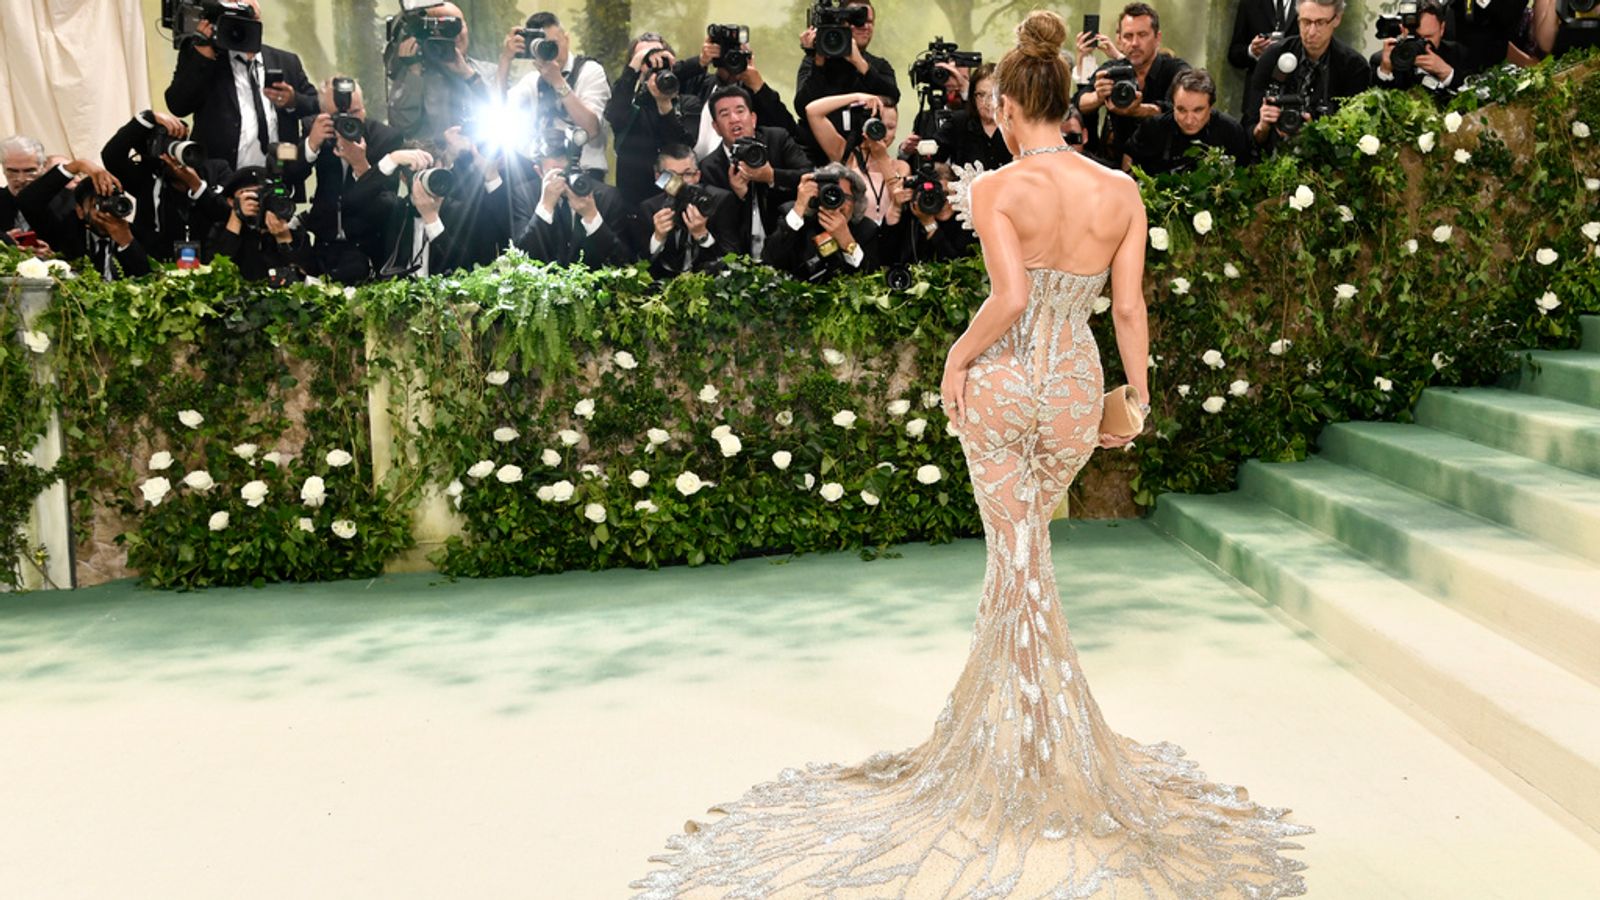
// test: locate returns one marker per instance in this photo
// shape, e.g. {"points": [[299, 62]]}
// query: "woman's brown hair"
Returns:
{"points": [[1034, 74]]}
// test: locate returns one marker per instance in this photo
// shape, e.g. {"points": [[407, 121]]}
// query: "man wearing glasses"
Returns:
{"points": [[1325, 70], [690, 225]]}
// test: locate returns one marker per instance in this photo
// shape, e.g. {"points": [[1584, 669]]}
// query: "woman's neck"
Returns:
{"points": [[1032, 135]]}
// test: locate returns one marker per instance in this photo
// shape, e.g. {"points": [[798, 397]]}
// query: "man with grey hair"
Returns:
{"points": [[824, 232], [23, 158], [1312, 65]]}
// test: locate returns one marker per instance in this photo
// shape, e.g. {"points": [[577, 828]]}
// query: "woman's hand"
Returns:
{"points": [[953, 391], [1111, 441]]}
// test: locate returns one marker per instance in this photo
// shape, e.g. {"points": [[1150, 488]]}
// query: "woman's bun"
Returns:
{"points": [[1041, 35]]}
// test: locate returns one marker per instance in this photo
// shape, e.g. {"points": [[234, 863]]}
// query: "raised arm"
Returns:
{"points": [[1008, 292], [828, 137]]}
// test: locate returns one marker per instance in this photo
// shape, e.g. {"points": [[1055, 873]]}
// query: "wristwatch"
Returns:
{"points": [[562, 90]]}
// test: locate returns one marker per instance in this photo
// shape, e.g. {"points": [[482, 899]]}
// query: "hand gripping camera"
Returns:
{"points": [[537, 46], [234, 26], [1124, 81], [730, 41], [658, 63], [750, 152], [436, 35], [347, 126], [829, 194], [1408, 45], [833, 23]]}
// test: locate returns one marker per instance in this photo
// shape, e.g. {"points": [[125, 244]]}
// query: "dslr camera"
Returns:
{"points": [[829, 194], [750, 152], [535, 45], [659, 64], [1292, 105], [436, 35], [683, 193], [928, 195], [1402, 26], [569, 143], [347, 126], [730, 41], [1124, 81], [833, 23], [119, 206], [926, 71], [187, 153], [234, 26]]}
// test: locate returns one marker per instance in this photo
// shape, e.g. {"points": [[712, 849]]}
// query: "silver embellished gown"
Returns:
{"points": [[1022, 790]]}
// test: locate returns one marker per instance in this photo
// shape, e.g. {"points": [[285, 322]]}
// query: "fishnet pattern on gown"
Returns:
{"points": [[1022, 790]]}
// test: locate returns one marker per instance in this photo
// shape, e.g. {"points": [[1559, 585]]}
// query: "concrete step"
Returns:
{"points": [[1591, 334], [1554, 505], [1562, 374], [1536, 718], [1552, 431], [1544, 599]]}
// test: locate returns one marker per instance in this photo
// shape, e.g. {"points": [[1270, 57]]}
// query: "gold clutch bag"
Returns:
{"points": [[1122, 416]]}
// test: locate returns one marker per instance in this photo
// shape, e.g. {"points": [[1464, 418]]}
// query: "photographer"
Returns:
{"points": [[1303, 77], [1162, 144], [562, 91], [927, 230], [353, 200], [726, 61], [1484, 29], [416, 239], [864, 149], [256, 237], [973, 135], [97, 227], [23, 159], [1420, 55], [244, 98], [1256, 26], [1130, 89], [761, 166], [835, 66], [942, 77], [644, 113], [691, 226], [578, 219], [824, 232], [175, 203], [433, 84]]}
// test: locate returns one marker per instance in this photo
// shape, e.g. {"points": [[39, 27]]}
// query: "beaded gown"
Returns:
{"points": [[1022, 790]]}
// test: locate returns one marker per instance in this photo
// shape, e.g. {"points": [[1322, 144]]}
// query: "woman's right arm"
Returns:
{"points": [[828, 137], [1127, 296]]}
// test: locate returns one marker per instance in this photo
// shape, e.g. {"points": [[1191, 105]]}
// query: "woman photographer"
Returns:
{"points": [[866, 150]]}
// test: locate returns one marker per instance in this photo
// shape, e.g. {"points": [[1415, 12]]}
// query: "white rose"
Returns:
{"points": [[1202, 222], [1383, 384], [595, 513], [638, 478], [454, 488], [1213, 358], [569, 437], [504, 435], [1346, 214], [1462, 156], [274, 457], [1183, 390], [730, 445], [546, 494], [498, 377], [929, 474], [314, 492], [1159, 239], [898, 408], [1580, 130], [305, 524], [254, 493], [721, 431], [832, 491], [1425, 142], [1239, 388], [191, 418], [916, 427], [155, 489], [584, 408], [481, 468], [1443, 233], [1313, 367], [219, 521], [1213, 405], [810, 481], [508, 474], [781, 459], [1591, 184], [832, 357], [589, 471], [1546, 256], [1344, 292], [646, 506], [199, 480], [33, 267], [37, 341], [657, 436], [1411, 246], [1302, 198], [1230, 270], [339, 458], [844, 418], [1591, 230], [344, 528], [930, 399], [1369, 144], [1101, 304], [869, 498], [562, 491], [160, 461], [1180, 286], [1547, 303], [709, 394], [549, 457], [784, 418], [1440, 361], [625, 360], [1280, 346], [1452, 122], [688, 484]]}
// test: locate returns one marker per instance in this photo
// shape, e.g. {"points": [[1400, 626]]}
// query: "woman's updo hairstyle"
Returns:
{"points": [[1034, 74]]}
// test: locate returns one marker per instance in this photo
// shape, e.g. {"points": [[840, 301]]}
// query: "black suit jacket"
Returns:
{"points": [[204, 88], [1342, 72], [362, 206], [722, 214], [176, 217], [566, 241], [1454, 54], [70, 237], [1108, 144], [1160, 146], [1258, 17], [641, 132], [789, 163], [796, 252], [834, 77], [964, 141], [907, 242], [1483, 31]]}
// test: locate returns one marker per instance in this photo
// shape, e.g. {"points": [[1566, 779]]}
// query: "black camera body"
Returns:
{"points": [[829, 194], [535, 45], [685, 195], [730, 41], [928, 195], [1124, 81], [927, 72], [234, 26], [438, 182], [657, 62], [118, 206], [750, 152], [347, 126], [833, 23], [161, 144], [873, 129], [435, 35], [1293, 106], [1402, 26]]}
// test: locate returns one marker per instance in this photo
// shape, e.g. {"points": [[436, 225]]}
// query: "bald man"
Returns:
{"points": [[237, 114], [431, 92]]}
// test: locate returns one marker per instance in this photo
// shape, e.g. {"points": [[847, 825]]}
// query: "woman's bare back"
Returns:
{"points": [[1070, 213]]}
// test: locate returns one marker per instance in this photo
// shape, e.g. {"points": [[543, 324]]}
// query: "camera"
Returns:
{"points": [[730, 41], [535, 45], [1293, 107], [234, 26], [829, 194], [928, 195], [927, 71], [187, 153], [1408, 45], [436, 35], [873, 129], [683, 193], [1124, 82], [569, 143], [349, 127], [750, 152], [438, 182], [118, 206], [833, 23], [277, 196], [658, 63]]}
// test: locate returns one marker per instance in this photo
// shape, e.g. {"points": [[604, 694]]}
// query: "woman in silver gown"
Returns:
{"points": [[1022, 790]]}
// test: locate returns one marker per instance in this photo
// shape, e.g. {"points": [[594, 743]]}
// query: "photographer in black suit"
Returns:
{"points": [[258, 240], [761, 190], [973, 135], [1152, 73], [237, 113], [825, 232], [1440, 66], [690, 226], [1162, 144], [1256, 26], [423, 232], [354, 199], [175, 204], [1321, 71], [646, 113], [578, 219], [927, 229], [95, 228], [856, 72]]}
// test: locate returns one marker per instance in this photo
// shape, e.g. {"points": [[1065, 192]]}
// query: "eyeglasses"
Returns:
{"points": [[1316, 24]]}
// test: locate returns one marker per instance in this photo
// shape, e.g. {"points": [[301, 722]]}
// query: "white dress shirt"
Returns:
{"points": [[591, 88], [249, 134]]}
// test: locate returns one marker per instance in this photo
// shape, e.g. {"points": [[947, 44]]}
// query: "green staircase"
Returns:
{"points": [[1456, 560]]}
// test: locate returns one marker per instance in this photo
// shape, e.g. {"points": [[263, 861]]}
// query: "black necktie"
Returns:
{"points": [[262, 137]]}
